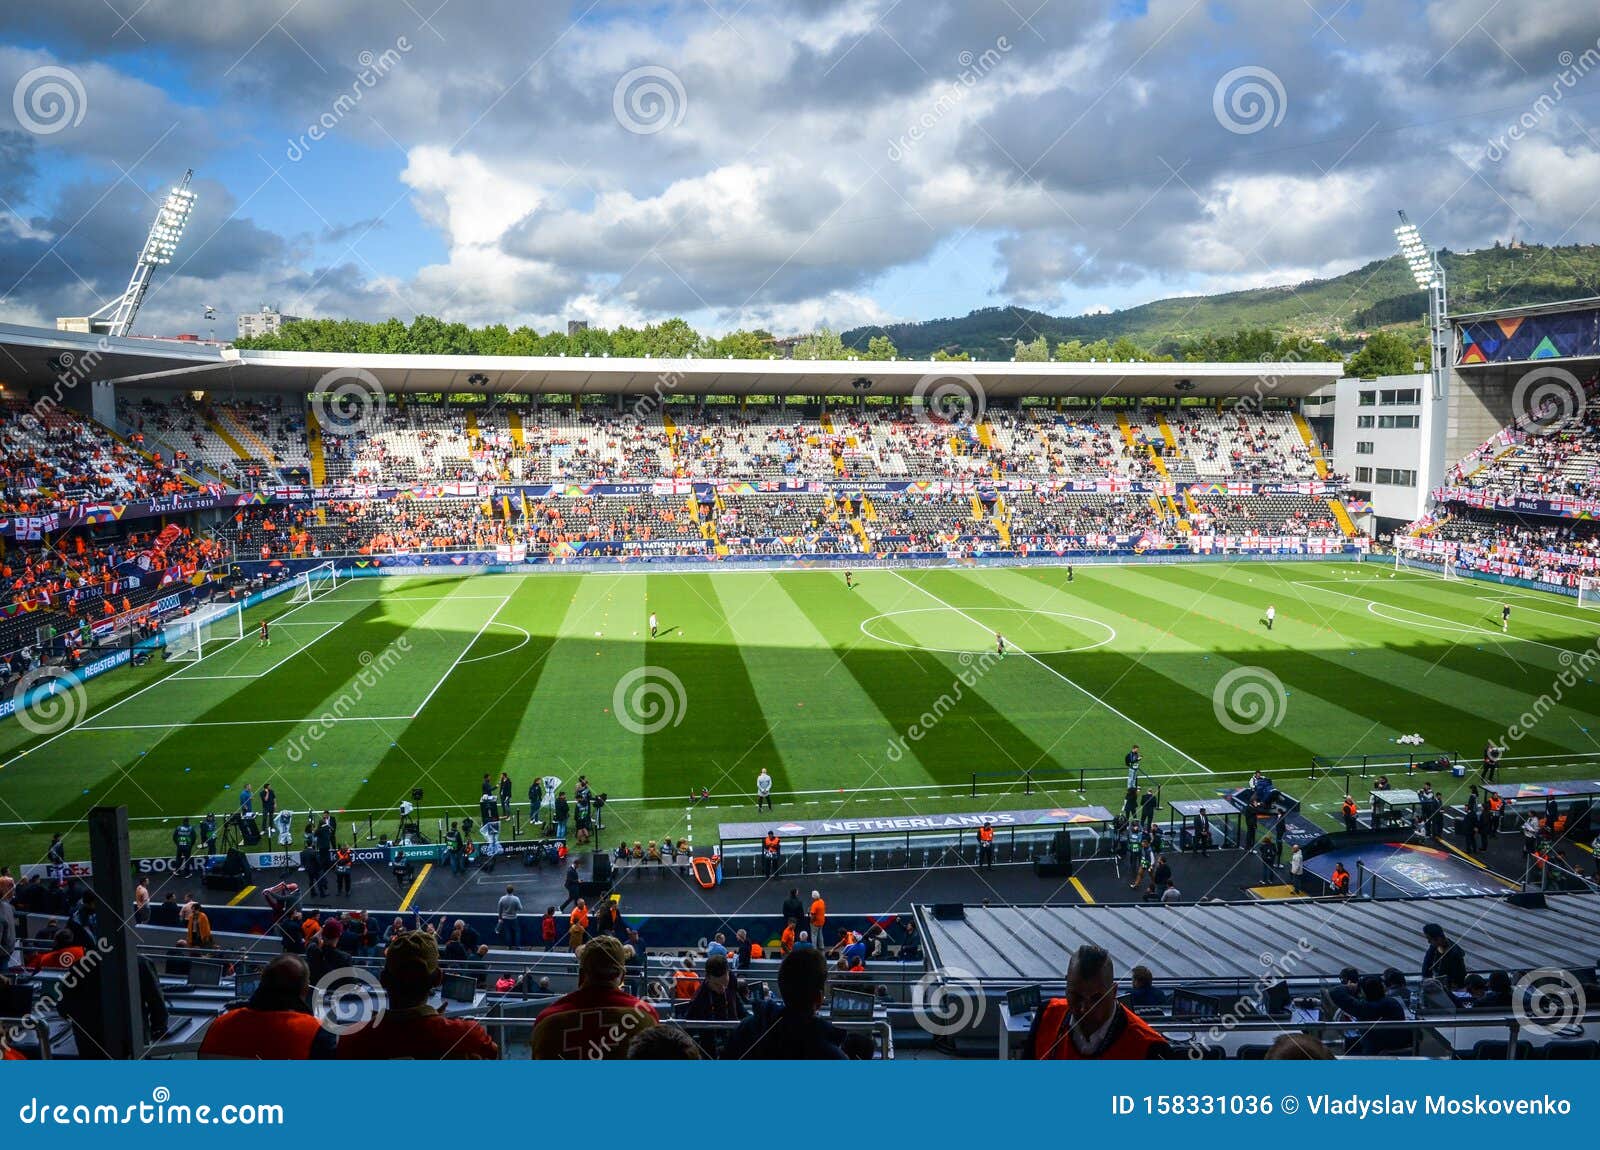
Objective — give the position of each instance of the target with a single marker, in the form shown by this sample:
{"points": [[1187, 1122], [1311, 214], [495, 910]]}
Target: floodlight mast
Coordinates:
{"points": [[1429, 275], [159, 247]]}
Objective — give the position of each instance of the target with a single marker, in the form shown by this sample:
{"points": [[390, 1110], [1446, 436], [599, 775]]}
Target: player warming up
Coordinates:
{"points": [[653, 624], [1505, 617], [266, 638], [999, 644], [1272, 615], [849, 581]]}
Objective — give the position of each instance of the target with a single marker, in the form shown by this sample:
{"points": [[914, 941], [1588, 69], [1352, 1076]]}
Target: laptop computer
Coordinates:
{"points": [[205, 975], [850, 1004], [1022, 1000]]}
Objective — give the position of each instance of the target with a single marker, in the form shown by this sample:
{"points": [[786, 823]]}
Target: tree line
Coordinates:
{"points": [[1383, 353]]}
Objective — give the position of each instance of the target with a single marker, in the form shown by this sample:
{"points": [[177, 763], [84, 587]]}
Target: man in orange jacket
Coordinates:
{"points": [[819, 916], [1090, 1022], [276, 1023]]}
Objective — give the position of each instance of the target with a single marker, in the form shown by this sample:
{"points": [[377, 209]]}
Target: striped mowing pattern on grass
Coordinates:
{"points": [[879, 695]]}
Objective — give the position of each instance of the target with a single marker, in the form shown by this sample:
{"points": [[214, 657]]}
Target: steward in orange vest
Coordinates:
{"points": [[1341, 879], [986, 844], [275, 1024], [1106, 1028], [1348, 810]]}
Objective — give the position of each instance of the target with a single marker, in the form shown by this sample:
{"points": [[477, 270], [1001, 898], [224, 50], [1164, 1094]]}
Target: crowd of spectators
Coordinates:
{"points": [[52, 459], [1563, 461], [1560, 552]]}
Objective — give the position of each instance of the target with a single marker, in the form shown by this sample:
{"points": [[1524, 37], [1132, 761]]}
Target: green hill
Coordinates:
{"points": [[1377, 295]]}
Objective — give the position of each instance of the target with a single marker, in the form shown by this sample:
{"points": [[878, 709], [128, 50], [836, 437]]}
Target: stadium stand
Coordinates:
{"points": [[1517, 506], [52, 458]]}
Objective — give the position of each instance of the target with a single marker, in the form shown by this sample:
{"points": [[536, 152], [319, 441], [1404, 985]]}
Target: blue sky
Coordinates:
{"points": [[774, 164]]}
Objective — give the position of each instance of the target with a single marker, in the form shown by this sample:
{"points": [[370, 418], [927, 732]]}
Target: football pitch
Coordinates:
{"points": [[884, 698]]}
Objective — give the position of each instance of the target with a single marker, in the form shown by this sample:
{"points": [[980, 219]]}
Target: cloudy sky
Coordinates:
{"points": [[777, 164]]}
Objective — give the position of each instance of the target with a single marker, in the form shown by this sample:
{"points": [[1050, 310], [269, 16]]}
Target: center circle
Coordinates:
{"points": [[1015, 623]]}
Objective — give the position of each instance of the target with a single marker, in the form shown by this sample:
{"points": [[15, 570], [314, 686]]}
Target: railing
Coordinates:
{"points": [[506, 1028], [893, 979], [1361, 766], [32, 1023], [1425, 1037]]}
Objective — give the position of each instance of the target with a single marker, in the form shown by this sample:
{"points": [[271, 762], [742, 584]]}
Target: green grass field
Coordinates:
{"points": [[882, 699]]}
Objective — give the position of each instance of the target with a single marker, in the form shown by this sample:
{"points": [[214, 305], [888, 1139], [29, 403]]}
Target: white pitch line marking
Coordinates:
{"points": [[1070, 682]]}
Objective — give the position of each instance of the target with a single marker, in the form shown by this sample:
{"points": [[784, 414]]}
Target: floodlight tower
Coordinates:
{"points": [[158, 248], [1429, 274]]}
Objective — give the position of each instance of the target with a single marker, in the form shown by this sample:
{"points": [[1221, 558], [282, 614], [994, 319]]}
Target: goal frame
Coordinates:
{"points": [[207, 628], [315, 583], [1413, 560], [1589, 592]]}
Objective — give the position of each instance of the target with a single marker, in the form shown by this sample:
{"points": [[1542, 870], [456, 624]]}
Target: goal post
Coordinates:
{"points": [[189, 638], [314, 583], [1589, 591], [1410, 557]]}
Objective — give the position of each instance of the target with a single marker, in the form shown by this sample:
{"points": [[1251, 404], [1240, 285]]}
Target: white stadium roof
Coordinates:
{"points": [[35, 357]]}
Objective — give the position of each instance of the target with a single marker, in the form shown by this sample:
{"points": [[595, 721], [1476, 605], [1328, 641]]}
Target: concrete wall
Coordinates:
{"points": [[1480, 405]]}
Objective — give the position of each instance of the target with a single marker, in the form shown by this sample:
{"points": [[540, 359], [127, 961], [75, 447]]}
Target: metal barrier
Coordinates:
{"points": [[505, 1028], [910, 850], [1361, 766], [894, 976], [30, 1022]]}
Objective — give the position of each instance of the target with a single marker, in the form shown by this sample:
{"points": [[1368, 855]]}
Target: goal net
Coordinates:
{"points": [[320, 580], [189, 638], [1409, 557], [1589, 591]]}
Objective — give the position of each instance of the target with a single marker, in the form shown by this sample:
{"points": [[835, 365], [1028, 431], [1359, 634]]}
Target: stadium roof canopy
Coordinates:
{"points": [[1229, 940], [37, 357]]}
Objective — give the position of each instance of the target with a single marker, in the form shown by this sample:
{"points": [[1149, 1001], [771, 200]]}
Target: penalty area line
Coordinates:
{"points": [[1065, 679]]}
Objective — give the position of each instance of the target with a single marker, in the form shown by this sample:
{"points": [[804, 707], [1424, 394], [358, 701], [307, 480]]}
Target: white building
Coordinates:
{"points": [[1388, 440], [267, 321]]}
